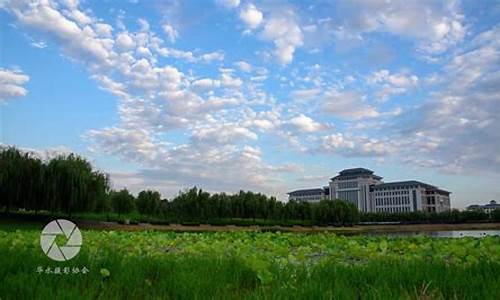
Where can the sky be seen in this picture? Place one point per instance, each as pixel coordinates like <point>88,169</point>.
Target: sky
<point>269,96</point>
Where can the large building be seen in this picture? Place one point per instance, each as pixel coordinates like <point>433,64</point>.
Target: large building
<point>369,193</point>
<point>353,185</point>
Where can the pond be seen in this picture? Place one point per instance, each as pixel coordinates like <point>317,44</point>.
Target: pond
<point>442,233</point>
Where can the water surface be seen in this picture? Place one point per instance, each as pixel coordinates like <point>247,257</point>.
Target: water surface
<point>442,233</point>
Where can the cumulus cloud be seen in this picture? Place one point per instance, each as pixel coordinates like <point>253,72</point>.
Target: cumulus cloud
<point>392,84</point>
<point>457,128</point>
<point>124,41</point>
<point>251,16</point>
<point>223,134</point>
<point>79,42</point>
<point>305,124</point>
<point>347,105</point>
<point>209,165</point>
<point>436,26</point>
<point>12,84</point>
<point>305,94</point>
<point>228,80</point>
<point>243,66</point>
<point>171,32</point>
<point>356,146</point>
<point>155,98</point>
<point>206,83</point>
<point>284,31</point>
<point>213,56</point>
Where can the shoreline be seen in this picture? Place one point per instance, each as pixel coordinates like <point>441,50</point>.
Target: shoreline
<point>18,223</point>
<point>357,229</point>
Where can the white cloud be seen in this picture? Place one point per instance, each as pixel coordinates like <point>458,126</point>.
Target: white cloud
<point>435,25</point>
<point>223,134</point>
<point>213,56</point>
<point>251,16</point>
<point>80,17</point>
<point>171,32</point>
<point>305,94</point>
<point>392,84</point>
<point>227,80</point>
<point>228,3</point>
<point>305,124</point>
<point>399,80</point>
<point>144,25</point>
<point>155,98</point>
<point>263,124</point>
<point>78,42</point>
<point>104,30</point>
<point>115,88</point>
<point>356,146</point>
<point>38,44</point>
<point>11,84</point>
<point>336,141</point>
<point>124,41</point>
<point>286,34</point>
<point>206,83</point>
<point>457,128</point>
<point>243,66</point>
<point>347,104</point>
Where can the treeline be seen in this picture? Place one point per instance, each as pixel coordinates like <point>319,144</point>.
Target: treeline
<point>69,184</point>
<point>63,184</point>
<point>197,205</point>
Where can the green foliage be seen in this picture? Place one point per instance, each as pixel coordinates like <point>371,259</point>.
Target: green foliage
<point>248,265</point>
<point>122,201</point>
<point>495,215</point>
<point>148,202</point>
<point>197,205</point>
<point>336,212</point>
<point>66,183</point>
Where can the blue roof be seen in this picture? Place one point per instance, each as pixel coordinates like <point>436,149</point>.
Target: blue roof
<point>355,172</point>
<point>307,192</point>
<point>404,184</point>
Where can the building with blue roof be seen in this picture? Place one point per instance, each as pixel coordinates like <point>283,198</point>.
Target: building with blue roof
<point>369,193</point>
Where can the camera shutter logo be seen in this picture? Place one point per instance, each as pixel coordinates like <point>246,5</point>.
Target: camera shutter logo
<point>61,252</point>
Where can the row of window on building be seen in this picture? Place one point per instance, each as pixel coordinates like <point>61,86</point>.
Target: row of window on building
<point>348,185</point>
<point>393,201</point>
<point>402,192</point>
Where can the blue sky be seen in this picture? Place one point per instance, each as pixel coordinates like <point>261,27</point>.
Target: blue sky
<point>270,96</point>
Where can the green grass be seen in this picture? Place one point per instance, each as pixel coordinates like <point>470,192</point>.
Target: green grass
<point>247,265</point>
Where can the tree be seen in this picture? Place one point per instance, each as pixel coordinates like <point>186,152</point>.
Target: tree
<point>148,202</point>
<point>122,201</point>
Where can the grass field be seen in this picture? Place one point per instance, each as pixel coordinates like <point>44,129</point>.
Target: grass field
<point>251,265</point>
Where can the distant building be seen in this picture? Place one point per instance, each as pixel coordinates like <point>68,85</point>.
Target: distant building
<point>487,208</point>
<point>407,196</point>
<point>310,195</point>
<point>353,185</point>
<point>369,193</point>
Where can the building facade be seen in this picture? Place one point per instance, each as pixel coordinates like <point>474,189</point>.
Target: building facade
<point>353,185</point>
<point>310,195</point>
<point>369,193</point>
<point>487,208</point>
